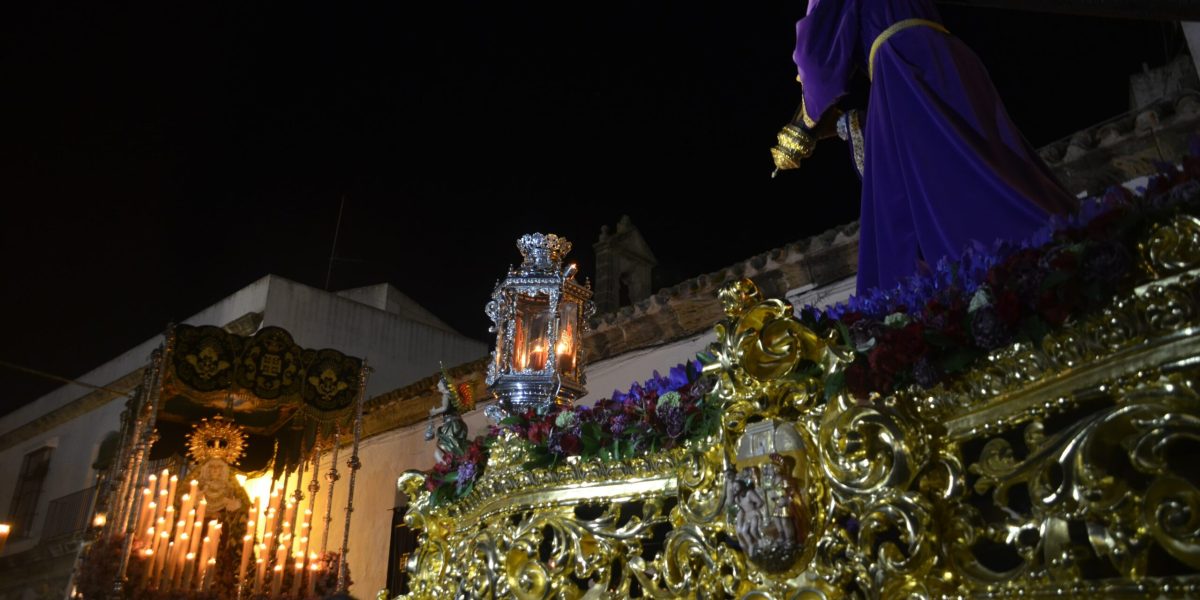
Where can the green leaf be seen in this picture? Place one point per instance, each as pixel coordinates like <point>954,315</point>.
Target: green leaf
<point>957,361</point>
<point>834,384</point>
<point>845,331</point>
<point>938,339</point>
<point>1055,279</point>
<point>512,420</point>
<point>441,495</point>
<point>539,457</point>
<point>590,446</point>
<point>591,430</point>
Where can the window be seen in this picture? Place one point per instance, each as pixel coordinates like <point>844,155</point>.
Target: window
<point>404,542</point>
<point>29,488</point>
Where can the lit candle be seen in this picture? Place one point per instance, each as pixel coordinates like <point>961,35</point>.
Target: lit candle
<point>178,558</point>
<point>276,581</point>
<point>205,552</point>
<point>160,549</point>
<point>186,511</point>
<point>307,528</point>
<point>210,570</point>
<point>149,554</point>
<point>169,520</point>
<point>187,571</point>
<point>313,570</point>
<point>272,512</point>
<point>260,565</point>
<point>247,548</point>
<point>162,504</point>
<point>146,514</point>
<point>296,577</point>
<point>171,488</point>
<point>148,542</point>
<point>164,573</point>
<point>290,514</point>
<point>252,518</point>
<point>214,529</point>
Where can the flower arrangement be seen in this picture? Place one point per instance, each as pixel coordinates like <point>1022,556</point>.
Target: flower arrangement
<point>940,320</point>
<point>659,413</point>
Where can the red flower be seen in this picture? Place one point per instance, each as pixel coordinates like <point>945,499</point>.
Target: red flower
<point>538,432</point>
<point>856,379</point>
<point>1008,308</point>
<point>475,451</point>
<point>570,444</point>
<point>882,382</point>
<point>885,362</point>
<point>909,342</point>
<point>1053,309</point>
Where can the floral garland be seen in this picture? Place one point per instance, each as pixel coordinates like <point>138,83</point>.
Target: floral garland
<point>660,413</point>
<point>939,321</point>
<point>656,415</point>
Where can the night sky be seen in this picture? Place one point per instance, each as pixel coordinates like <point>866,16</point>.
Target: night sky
<point>157,156</point>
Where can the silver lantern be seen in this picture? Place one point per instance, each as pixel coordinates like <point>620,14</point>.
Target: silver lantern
<point>539,314</point>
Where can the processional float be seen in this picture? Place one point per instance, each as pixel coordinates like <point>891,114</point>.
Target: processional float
<point>215,487</point>
<point>1063,466</point>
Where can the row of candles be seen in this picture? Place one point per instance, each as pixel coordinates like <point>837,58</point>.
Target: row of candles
<point>180,553</point>
<point>269,537</point>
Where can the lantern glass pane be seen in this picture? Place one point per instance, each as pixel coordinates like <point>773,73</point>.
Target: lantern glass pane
<point>529,336</point>
<point>568,341</point>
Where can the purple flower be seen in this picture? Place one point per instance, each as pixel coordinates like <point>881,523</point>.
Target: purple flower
<point>619,423</point>
<point>677,377</point>
<point>925,374</point>
<point>674,421</point>
<point>554,443</point>
<point>466,475</point>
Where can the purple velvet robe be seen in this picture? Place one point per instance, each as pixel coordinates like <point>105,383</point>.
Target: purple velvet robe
<point>944,164</point>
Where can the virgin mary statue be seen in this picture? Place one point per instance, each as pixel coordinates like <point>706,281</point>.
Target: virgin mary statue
<point>943,164</point>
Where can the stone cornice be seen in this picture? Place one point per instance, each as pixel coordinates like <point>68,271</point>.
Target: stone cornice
<point>72,410</point>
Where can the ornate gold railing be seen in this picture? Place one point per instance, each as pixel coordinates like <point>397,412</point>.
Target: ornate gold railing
<point>1066,469</point>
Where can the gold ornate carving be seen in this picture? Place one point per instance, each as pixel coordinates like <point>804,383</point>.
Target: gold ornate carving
<point>1065,469</point>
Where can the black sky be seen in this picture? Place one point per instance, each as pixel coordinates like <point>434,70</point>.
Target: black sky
<point>157,156</point>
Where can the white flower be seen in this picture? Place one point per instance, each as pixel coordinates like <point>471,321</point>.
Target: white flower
<point>565,419</point>
<point>669,400</point>
<point>981,299</point>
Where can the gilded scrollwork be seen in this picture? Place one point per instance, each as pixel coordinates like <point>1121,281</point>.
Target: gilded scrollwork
<point>1172,247</point>
<point>1062,468</point>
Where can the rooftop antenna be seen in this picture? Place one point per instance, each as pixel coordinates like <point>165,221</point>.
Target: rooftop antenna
<point>333,249</point>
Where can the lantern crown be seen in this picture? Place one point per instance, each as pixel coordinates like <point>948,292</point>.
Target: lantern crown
<point>542,253</point>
